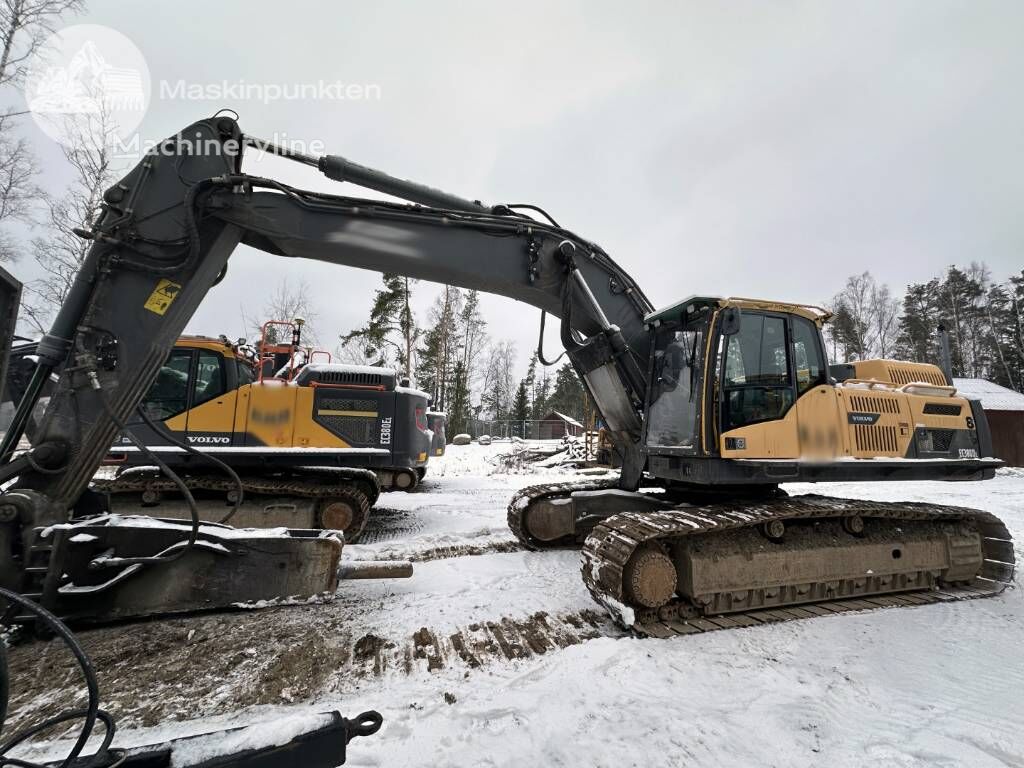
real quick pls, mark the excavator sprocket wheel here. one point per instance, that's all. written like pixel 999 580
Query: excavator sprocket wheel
pixel 650 578
pixel 336 515
pixel 346 512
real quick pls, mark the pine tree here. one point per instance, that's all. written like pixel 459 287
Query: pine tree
pixel 496 393
pixel 390 334
pixel 959 311
pixel 1013 324
pixel 568 396
pixel 538 385
pixel 459 415
pixel 520 412
pixel 919 322
pixel 442 347
pixel 983 319
pixel 1000 338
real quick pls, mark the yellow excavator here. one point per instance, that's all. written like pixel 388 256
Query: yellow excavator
pixel 711 404
pixel 312 443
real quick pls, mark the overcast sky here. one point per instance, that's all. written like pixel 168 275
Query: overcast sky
pixel 753 149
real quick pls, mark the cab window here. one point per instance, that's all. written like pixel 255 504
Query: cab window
pixel 168 396
pixel 756 380
pixel 808 359
pixel 675 391
pixel 209 377
pixel 245 373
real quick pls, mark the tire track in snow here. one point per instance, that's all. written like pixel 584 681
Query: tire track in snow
pixel 428 547
pixel 386 524
pixel 477 644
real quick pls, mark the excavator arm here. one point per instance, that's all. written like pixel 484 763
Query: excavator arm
pixel 164 239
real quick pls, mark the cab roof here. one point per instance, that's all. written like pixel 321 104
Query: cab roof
pixel 207 342
pixel 693 306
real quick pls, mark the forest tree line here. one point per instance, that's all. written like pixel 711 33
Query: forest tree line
pixel 451 356
pixel 471 375
pixel 983 317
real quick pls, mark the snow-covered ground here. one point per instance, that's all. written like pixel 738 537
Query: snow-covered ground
pixel 494 656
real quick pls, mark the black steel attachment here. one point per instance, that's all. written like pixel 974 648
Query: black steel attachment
pixel 314 741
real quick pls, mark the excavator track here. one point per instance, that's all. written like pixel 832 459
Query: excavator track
pixel 343 499
pixel 631 561
pixel 527 498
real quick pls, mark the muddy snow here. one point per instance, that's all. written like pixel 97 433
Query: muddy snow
pixel 491 655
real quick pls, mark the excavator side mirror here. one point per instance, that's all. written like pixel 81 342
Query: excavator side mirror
pixel 730 321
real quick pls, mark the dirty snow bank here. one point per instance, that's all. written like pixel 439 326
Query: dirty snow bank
pixel 936 685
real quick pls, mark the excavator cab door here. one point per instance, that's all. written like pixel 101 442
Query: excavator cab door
pixel 817 407
pixel 188 400
pixel 757 387
pixel 756 381
pixel 675 397
pixel 167 401
pixel 776 400
pixel 211 414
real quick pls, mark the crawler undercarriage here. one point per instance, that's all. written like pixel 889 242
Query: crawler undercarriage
pixel 663 568
pixel 338 499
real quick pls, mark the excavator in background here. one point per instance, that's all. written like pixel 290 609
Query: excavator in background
pixel 312 443
pixel 711 403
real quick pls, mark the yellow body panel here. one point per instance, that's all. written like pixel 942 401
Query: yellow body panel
pixel 216 415
pixel 819 426
pixel 820 423
pixel 767 440
pixel 899 372
pixel 889 436
pixel 282 416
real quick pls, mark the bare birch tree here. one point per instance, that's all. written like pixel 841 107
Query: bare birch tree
pixel 884 319
pixel 19 193
pixel 24 27
pixel 288 302
pixel 498 388
pixel 60 252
